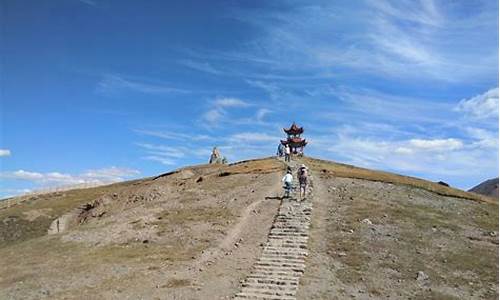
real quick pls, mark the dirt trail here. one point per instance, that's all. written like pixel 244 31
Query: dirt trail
pixel 318 282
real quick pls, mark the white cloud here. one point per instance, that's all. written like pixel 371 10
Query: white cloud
pixel 112 84
pixel 98 176
pixel 229 102
pixel 171 135
pixel 253 137
pixel 396 39
pixel 261 114
pixel 5 152
pixel 481 106
pixel 89 2
pixel 162 160
pixel 165 151
pixel 219 109
pixel 213 116
pixel 200 66
pixel 435 144
pixel 433 157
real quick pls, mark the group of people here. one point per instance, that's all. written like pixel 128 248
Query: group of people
pixel 284 151
pixel 302 174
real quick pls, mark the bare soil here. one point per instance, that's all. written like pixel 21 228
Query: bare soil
pixel 453 241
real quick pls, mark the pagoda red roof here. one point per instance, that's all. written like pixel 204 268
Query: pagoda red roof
pixel 294 129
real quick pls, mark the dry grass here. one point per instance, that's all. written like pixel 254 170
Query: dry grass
pixel 449 241
pixel 349 171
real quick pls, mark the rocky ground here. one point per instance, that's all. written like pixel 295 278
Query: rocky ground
pixel 198 232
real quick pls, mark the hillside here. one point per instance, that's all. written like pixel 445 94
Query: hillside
pixel 488 188
pixel 202 232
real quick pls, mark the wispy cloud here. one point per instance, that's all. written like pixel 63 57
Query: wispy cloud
pixel 200 66
pixel 403 39
pixel 482 106
pixel 88 2
pixel 97 176
pixel 112 84
pixel 219 109
pixel 162 160
pixel 174 135
pixel 253 137
pixel 5 152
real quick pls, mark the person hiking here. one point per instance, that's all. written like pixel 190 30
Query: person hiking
pixel 280 150
pixel 287 180
pixel 287 153
pixel 302 176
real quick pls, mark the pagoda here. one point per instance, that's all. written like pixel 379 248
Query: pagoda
pixel 294 141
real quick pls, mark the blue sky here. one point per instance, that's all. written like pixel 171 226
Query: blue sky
pixel 98 91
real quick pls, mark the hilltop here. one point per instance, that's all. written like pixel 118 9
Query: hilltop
pixel 198 231
pixel 488 188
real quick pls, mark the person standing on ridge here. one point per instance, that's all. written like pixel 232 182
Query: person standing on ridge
pixel 287 153
pixel 302 176
pixel 280 150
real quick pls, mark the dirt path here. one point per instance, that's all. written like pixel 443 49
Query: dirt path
pixel 220 270
pixel 318 281
pixel 277 272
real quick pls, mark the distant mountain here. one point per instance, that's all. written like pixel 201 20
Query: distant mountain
pixel 488 188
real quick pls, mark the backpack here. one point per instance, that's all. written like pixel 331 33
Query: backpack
pixel 303 172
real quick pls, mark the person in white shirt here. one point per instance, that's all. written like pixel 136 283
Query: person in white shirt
pixel 287 180
pixel 287 153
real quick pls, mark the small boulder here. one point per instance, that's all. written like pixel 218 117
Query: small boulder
pixel 366 221
pixel 421 276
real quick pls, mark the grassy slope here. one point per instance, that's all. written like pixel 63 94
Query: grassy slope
pixel 349 171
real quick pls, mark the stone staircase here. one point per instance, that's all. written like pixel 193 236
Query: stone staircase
pixel 276 274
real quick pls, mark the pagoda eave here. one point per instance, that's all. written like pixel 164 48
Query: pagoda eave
pixel 294 144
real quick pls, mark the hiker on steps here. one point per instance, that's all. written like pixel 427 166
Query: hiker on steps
pixel 302 176
pixel 287 180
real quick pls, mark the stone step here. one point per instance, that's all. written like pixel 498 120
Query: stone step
pixel 279 269
pixel 280 264
pixel 269 292
pixel 281 259
pixel 248 295
pixel 272 276
pixel 275 274
pixel 276 286
pixel 275 280
pixel 283 256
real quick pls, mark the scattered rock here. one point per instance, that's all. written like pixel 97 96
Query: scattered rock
pixel 421 276
pixel 366 221
pixel 200 179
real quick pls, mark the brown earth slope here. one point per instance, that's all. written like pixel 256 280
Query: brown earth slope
pixel 195 233
pixel 376 240
pixel 488 188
